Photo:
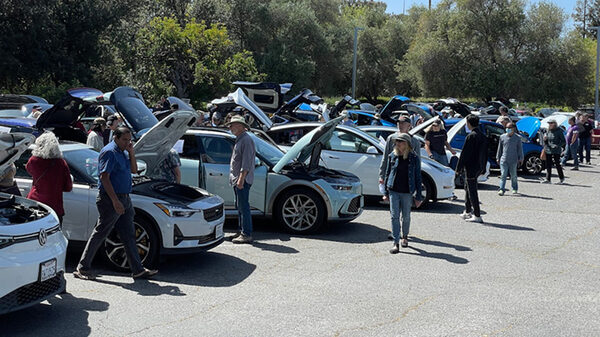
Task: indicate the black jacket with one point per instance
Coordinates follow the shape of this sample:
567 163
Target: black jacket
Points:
473 157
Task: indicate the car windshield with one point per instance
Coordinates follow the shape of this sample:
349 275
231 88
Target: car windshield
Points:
267 151
85 161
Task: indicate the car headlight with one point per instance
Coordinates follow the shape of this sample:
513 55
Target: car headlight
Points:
176 210
6 241
342 187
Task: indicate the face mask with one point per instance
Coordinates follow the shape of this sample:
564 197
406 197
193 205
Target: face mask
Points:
509 130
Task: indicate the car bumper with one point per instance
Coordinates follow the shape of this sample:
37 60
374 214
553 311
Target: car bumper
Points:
445 186
344 205
191 233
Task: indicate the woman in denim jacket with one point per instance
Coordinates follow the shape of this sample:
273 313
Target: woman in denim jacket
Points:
402 181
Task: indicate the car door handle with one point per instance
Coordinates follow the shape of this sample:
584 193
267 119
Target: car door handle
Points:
215 174
332 157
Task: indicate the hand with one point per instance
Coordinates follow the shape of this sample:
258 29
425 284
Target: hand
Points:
129 148
380 181
520 163
453 152
385 198
240 184
418 203
118 207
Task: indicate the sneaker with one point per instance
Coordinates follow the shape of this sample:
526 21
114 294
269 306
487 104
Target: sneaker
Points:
575 169
477 219
232 236
562 181
589 163
404 243
146 273
242 239
465 215
500 192
390 236
395 249
546 181
84 275
515 192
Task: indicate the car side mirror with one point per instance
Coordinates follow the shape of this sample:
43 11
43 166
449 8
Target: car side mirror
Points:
372 149
257 162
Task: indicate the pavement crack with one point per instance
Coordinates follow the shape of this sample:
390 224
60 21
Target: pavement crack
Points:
569 241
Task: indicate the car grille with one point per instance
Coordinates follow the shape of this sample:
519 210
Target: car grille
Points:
31 294
354 206
208 238
213 213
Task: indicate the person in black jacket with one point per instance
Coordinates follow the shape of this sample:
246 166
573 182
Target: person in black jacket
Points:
473 162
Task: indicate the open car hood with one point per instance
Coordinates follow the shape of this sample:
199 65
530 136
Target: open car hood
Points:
392 105
529 126
68 109
454 130
419 129
12 145
561 120
239 98
309 145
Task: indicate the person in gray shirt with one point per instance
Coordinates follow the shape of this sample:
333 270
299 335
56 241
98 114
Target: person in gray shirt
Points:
509 157
241 176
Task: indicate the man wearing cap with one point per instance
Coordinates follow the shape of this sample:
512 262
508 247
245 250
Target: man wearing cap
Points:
403 127
503 115
95 137
241 176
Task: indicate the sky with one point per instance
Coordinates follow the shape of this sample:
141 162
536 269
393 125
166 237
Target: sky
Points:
396 7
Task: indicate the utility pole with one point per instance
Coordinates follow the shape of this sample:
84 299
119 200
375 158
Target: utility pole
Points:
596 112
584 16
430 5
356 29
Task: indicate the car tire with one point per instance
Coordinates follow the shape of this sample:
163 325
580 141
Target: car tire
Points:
532 164
309 210
147 242
429 190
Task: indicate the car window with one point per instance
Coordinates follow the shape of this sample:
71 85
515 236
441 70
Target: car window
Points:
191 147
217 150
288 137
346 142
20 164
494 130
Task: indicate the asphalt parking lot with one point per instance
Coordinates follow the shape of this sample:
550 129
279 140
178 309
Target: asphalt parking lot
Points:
532 270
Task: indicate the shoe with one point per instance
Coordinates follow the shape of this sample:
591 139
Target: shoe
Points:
404 243
562 181
395 249
575 169
242 239
146 273
453 197
84 274
477 219
546 181
501 193
589 163
515 192
465 215
232 236
390 236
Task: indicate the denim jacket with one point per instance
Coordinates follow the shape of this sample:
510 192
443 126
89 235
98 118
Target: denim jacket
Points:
414 174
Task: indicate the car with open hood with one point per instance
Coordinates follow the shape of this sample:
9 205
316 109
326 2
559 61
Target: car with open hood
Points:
169 218
528 132
291 188
353 150
32 245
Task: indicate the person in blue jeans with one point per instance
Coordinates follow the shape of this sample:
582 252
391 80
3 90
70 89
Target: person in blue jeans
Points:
402 184
572 144
241 176
436 143
585 137
509 157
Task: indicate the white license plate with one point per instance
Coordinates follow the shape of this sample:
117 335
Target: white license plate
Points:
47 270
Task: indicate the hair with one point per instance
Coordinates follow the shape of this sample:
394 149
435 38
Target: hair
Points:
473 120
46 146
572 119
120 131
430 128
503 109
405 154
511 125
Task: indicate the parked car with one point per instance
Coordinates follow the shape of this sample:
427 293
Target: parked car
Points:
32 245
528 131
351 149
22 124
170 218
545 112
12 101
291 188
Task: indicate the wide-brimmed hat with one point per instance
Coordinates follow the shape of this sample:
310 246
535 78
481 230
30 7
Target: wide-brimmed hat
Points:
403 137
99 121
238 119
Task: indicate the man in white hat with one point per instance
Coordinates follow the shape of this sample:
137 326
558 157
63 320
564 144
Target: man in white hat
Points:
241 176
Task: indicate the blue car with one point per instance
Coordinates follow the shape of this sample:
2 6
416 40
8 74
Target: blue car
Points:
528 131
20 124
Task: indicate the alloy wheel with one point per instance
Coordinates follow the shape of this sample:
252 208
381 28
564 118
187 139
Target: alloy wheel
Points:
115 249
299 212
534 165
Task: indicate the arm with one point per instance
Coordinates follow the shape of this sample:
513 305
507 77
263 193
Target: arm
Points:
68 186
248 156
418 181
384 160
520 152
450 148
132 161
110 191
427 148
500 150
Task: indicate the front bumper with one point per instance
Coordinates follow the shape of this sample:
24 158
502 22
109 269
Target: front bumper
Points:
181 233
344 204
33 293
445 186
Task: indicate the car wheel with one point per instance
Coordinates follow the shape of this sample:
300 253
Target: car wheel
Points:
300 211
147 242
428 187
532 164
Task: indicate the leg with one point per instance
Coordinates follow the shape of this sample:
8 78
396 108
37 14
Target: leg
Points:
548 167
564 159
106 222
126 230
575 156
473 196
513 177
468 205
244 209
503 174
395 215
556 158
588 149
580 149
406 200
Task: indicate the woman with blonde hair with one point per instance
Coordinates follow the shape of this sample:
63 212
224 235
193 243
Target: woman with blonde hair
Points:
436 143
50 173
402 185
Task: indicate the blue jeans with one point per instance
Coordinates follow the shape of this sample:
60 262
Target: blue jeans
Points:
585 143
571 151
242 204
505 169
440 158
400 203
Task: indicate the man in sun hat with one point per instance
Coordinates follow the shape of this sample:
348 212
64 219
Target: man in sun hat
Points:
241 176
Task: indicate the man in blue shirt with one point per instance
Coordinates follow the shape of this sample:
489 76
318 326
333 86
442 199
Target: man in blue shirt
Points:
114 205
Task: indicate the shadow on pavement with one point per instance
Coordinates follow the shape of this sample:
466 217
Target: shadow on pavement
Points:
144 287
523 195
442 256
45 319
439 244
510 227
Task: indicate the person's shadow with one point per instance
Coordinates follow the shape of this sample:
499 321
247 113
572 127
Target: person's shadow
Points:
442 256
65 315
144 287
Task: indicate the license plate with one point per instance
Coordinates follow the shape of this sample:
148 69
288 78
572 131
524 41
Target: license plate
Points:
47 270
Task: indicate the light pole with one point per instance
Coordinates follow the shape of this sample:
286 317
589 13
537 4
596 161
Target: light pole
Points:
356 29
596 113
